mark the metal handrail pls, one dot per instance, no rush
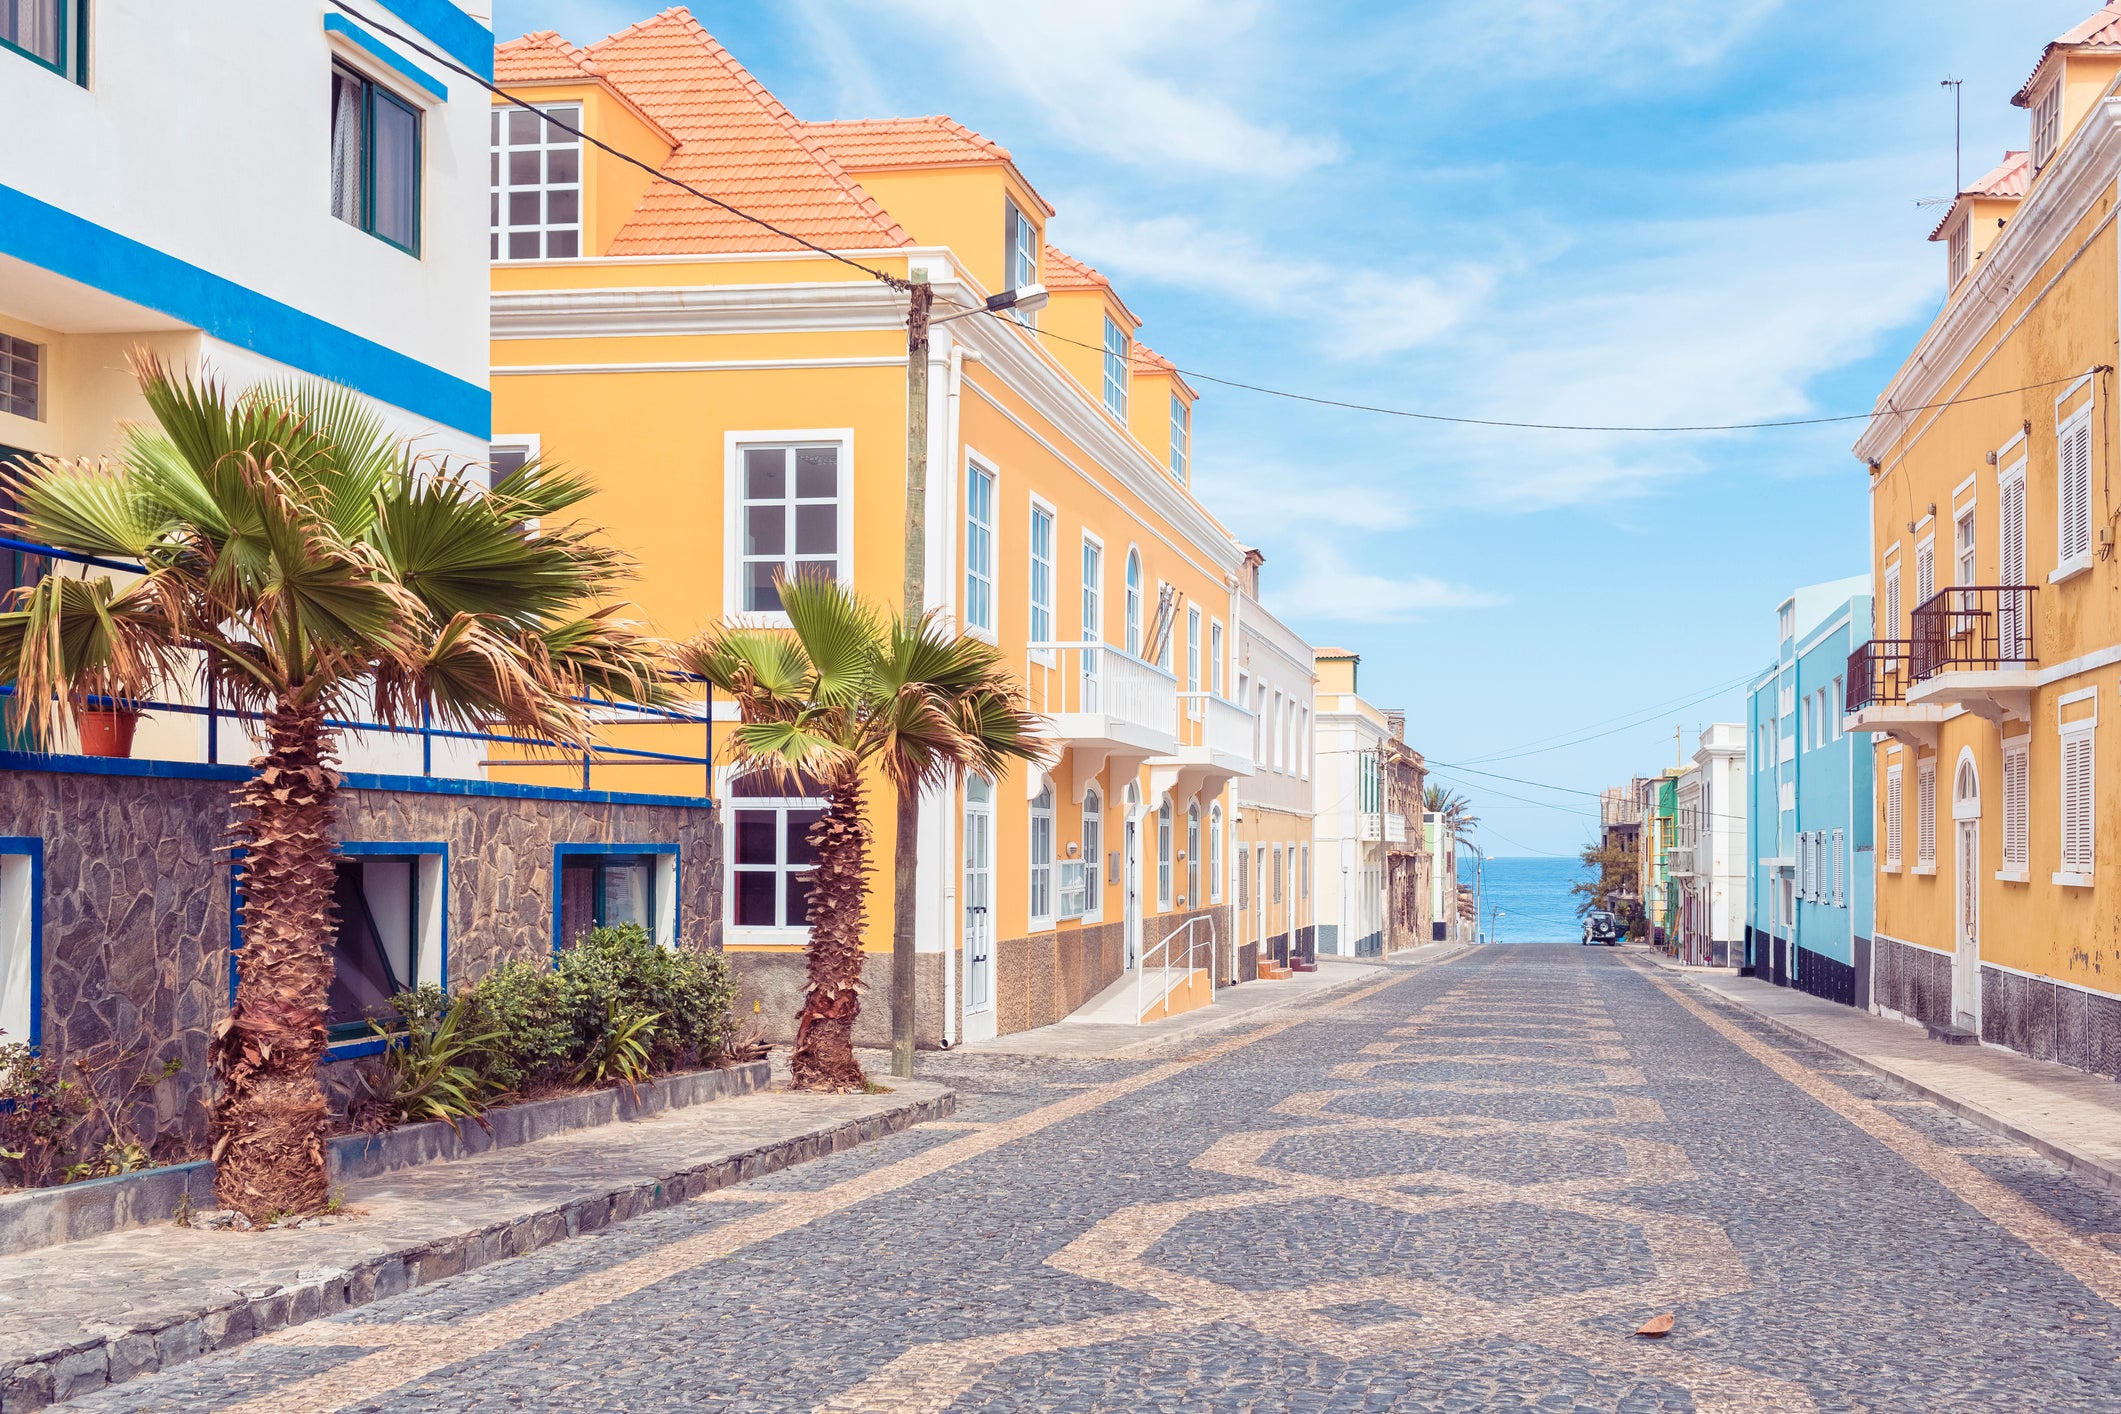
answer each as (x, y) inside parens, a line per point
(1973, 626)
(1186, 930)
(1877, 675)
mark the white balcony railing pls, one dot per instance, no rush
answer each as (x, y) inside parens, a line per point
(1099, 680)
(1214, 722)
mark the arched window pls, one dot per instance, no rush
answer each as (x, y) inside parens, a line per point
(1193, 855)
(1163, 854)
(1042, 856)
(1215, 855)
(1093, 853)
(1134, 602)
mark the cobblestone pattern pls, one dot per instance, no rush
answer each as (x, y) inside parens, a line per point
(1463, 1188)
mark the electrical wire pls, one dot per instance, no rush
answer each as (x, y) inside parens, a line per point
(1635, 715)
(903, 285)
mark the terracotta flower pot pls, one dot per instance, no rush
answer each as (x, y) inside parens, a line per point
(108, 732)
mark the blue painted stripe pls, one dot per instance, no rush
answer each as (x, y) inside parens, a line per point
(357, 780)
(67, 245)
(457, 34)
(388, 57)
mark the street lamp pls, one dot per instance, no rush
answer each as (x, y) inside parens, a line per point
(1495, 914)
(1025, 299)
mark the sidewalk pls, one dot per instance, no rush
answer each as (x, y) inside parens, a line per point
(2070, 1116)
(84, 1314)
(1234, 1006)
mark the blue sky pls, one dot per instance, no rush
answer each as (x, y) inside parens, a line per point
(1631, 211)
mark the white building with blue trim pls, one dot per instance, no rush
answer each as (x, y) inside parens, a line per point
(1810, 826)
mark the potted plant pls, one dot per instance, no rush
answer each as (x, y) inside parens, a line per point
(108, 730)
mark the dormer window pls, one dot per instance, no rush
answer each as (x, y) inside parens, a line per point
(1019, 255)
(1115, 369)
(2047, 124)
(1958, 251)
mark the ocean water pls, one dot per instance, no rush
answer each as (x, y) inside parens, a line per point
(1533, 897)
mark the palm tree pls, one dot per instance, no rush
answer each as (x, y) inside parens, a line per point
(1455, 811)
(840, 692)
(306, 566)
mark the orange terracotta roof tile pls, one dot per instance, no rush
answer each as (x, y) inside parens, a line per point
(540, 55)
(2101, 31)
(866, 144)
(1063, 271)
(734, 140)
(2006, 181)
(1143, 359)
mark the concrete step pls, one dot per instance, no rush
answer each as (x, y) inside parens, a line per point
(1951, 1035)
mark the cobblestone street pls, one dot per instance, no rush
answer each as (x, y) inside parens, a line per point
(1460, 1187)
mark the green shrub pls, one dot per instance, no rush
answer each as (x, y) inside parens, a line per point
(613, 1006)
(437, 1063)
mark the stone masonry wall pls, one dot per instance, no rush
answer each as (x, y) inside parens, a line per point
(136, 898)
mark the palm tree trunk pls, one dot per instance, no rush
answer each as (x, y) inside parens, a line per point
(824, 1034)
(269, 1115)
(905, 863)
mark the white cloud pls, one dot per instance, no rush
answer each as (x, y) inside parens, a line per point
(1127, 80)
(1361, 313)
(1615, 43)
(1322, 585)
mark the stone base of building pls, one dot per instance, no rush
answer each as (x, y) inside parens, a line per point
(1827, 978)
(770, 996)
(1914, 981)
(2051, 1021)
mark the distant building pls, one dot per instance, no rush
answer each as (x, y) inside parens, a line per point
(1409, 893)
(1271, 874)
(1707, 865)
(1351, 811)
(1809, 823)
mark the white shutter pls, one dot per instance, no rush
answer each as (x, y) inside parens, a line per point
(1840, 899)
(1804, 863)
(2015, 631)
(2074, 497)
(1892, 816)
(2077, 803)
(1926, 814)
(1925, 572)
(2016, 851)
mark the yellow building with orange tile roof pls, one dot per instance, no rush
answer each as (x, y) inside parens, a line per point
(742, 402)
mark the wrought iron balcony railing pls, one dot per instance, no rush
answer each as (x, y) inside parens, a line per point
(1972, 627)
(1878, 675)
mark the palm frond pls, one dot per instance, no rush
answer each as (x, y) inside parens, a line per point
(90, 508)
(840, 635)
(764, 671)
(67, 640)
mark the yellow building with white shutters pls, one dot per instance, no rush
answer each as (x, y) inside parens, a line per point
(1993, 682)
(742, 402)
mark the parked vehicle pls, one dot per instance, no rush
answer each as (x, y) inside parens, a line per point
(1601, 927)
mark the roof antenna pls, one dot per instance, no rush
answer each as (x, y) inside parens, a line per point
(1958, 181)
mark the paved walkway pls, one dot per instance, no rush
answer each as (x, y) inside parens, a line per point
(1459, 1186)
(110, 1307)
(2072, 1117)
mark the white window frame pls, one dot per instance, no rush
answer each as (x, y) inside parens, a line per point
(1181, 438)
(1959, 253)
(1892, 601)
(1895, 817)
(2046, 124)
(16, 355)
(2073, 488)
(1965, 560)
(2017, 856)
(760, 935)
(2077, 850)
(21, 940)
(1926, 816)
(1041, 607)
(1194, 862)
(1020, 252)
(1117, 349)
(1925, 569)
(1166, 871)
(1216, 655)
(1215, 853)
(1193, 674)
(501, 188)
(1133, 585)
(1093, 595)
(1092, 842)
(980, 575)
(1041, 880)
(1840, 868)
(733, 501)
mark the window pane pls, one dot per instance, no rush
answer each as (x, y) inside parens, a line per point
(523, 128)
(397, 171)
(563, 208)
(821, 570)
(765, 474)
(800, 852)
(563, 245)
(627, 891)
(799, 899)
(754, 898)
(563, 165)
(817, 530)
(817, 472)
(523, 208)
(755, 831)
(523, 169)
(760, 595)
(765, 530)
(523, 245)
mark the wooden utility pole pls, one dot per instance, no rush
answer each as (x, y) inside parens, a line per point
(905, 848)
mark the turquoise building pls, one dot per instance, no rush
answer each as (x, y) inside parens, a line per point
(1809, 821)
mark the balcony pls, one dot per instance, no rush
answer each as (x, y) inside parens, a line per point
(1972, 648)
(1215, 739)
(1104, 708)
(1875, 695)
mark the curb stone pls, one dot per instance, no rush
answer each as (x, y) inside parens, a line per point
(113, 1354)
(2083, 1165)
